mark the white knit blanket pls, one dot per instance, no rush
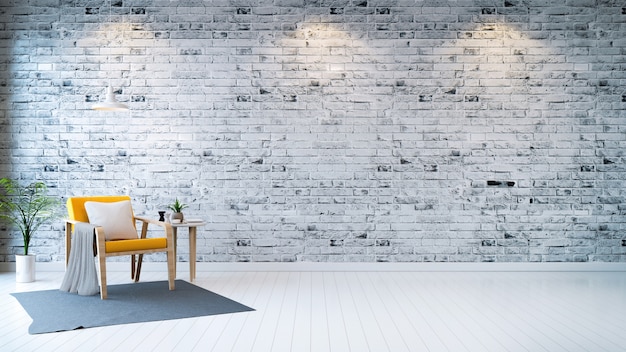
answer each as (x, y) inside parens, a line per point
(81, 276)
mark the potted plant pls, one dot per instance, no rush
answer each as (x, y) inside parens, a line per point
(27, 208)
(177, 209)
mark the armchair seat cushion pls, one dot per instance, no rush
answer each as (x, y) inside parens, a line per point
(135, 245)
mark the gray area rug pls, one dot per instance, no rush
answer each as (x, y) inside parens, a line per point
(54, 310)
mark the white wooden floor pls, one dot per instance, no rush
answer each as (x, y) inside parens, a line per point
(360, 311)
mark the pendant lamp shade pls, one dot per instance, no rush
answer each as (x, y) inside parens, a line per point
(110, 104)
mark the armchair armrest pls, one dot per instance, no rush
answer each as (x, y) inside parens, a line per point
(144, 227)
(68, 229)
(148, 220)
(72, 221)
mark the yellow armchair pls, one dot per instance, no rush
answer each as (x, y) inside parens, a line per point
(109, 248)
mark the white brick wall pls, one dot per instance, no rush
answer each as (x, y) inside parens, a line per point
(358, 131)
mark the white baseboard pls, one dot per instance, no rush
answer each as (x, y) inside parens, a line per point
(315, 266)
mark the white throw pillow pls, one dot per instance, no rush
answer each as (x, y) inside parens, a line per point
(116, 218)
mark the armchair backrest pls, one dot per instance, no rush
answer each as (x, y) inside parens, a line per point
(76, 205)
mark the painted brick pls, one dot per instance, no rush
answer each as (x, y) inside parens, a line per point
(393, 131)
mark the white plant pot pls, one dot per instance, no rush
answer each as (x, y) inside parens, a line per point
(24, 268)
(177, 218)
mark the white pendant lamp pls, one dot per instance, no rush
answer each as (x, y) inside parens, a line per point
(110, 104)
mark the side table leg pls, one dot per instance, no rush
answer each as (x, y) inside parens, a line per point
(174, 232)
(192, 253)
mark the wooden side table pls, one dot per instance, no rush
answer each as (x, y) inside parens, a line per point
(192, 226)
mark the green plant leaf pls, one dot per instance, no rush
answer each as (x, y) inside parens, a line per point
(27, 207)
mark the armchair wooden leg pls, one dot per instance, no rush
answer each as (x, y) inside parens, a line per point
(132, 267)
(102, 273)
(68, 242)
(138, 268)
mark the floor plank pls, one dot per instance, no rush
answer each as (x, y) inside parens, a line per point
(301, 335)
